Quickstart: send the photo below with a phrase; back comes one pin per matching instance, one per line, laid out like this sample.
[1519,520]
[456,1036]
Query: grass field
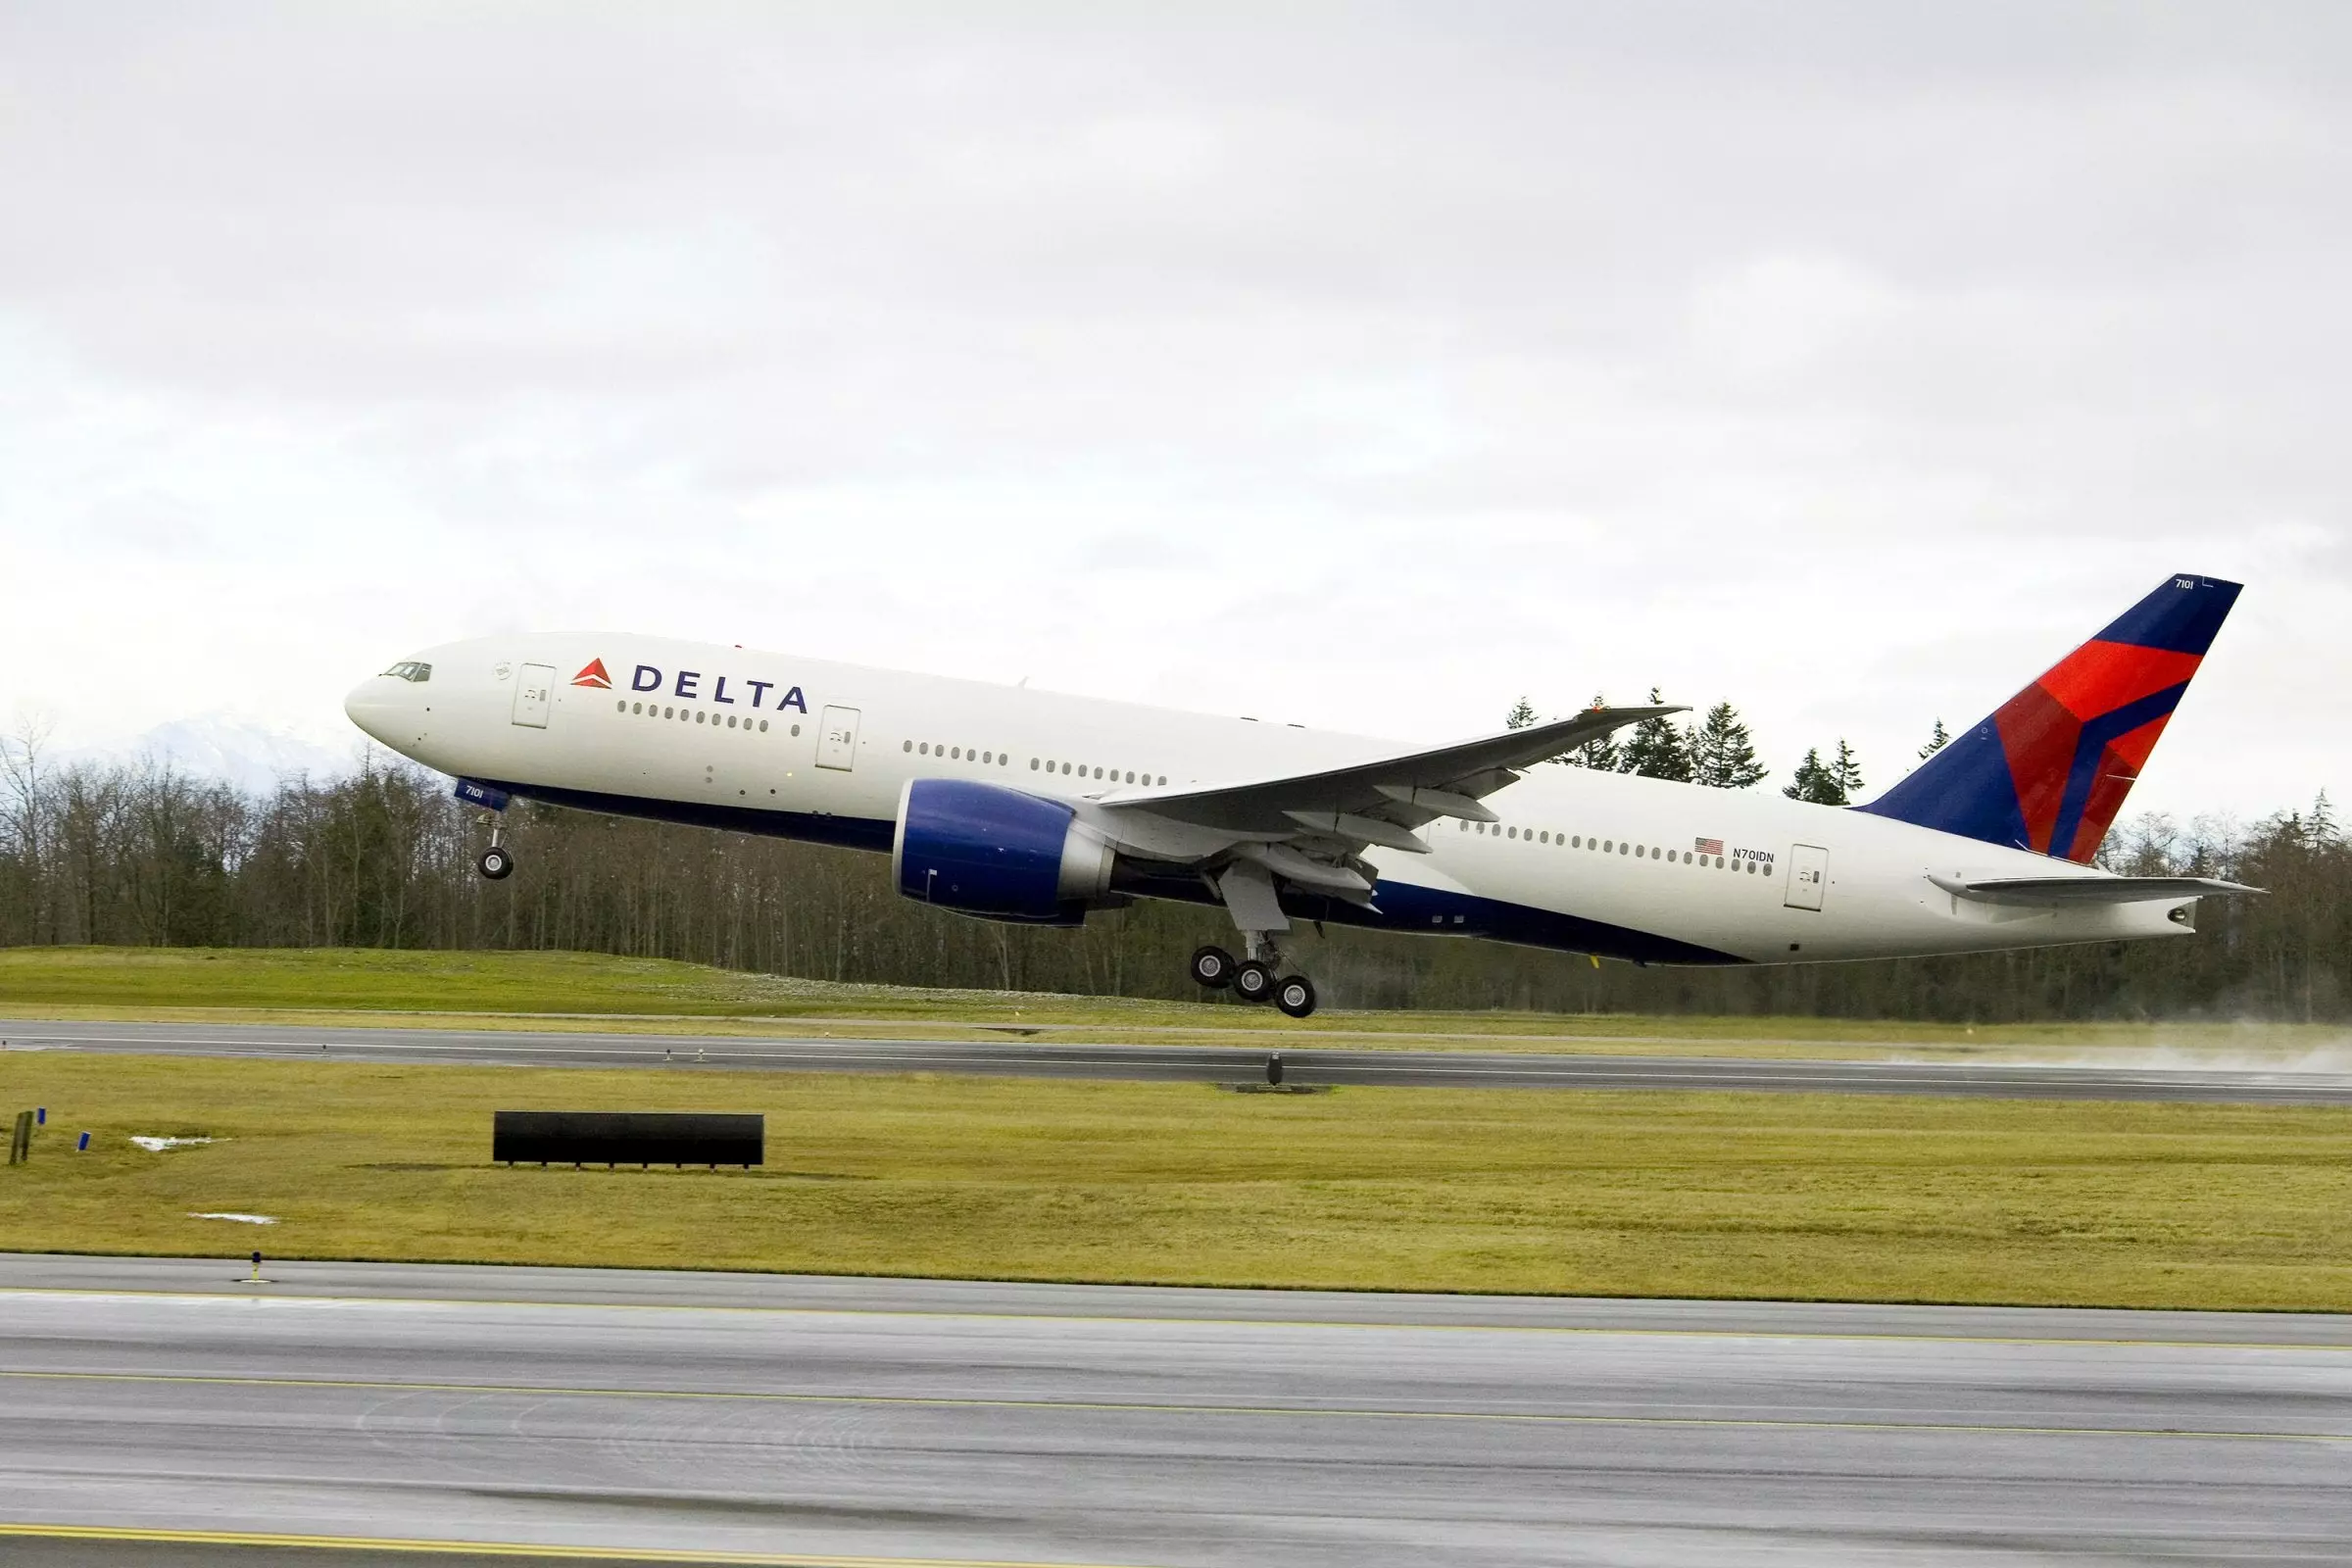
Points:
[1704,1194]
[587,991]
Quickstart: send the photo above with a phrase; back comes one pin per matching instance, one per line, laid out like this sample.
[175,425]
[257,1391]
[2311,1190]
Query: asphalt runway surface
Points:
[1301,1066]
[152,1410]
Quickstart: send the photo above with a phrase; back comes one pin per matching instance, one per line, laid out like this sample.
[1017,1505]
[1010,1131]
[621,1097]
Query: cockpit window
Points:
[410,669]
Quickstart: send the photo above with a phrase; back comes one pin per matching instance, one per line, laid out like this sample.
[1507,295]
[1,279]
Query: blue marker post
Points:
[84,1147]
[40,1116]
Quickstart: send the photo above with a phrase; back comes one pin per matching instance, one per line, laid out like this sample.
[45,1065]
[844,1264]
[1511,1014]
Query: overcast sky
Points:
[1363,368]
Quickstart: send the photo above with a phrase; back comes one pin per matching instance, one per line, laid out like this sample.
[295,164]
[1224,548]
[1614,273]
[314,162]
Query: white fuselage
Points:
[1579,859]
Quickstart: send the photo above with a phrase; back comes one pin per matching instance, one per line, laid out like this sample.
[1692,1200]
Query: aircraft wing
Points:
[1381,801]
[2053,892]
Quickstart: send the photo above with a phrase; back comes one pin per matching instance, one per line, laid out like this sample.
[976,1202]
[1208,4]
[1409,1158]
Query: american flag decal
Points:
[1710,845]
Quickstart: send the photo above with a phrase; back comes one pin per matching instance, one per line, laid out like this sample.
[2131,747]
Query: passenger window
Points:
[1033,764]
[1577,843]
[668,713]
[796,729]
[763,727]
[909,747]
[1607,845]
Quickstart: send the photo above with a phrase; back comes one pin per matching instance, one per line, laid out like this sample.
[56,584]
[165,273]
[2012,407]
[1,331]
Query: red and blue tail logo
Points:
[2049,769]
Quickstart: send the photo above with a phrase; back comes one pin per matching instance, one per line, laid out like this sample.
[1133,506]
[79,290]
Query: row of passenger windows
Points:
[1577,840]
[693,715]
[965,754]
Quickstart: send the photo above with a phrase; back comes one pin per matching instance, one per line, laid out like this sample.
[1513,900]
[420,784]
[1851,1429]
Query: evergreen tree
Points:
[1806,783]
[1658,747]
[1845,775]
[1521,715]
[1832,783]
[1722,755]
[1601,752]
[1936,741]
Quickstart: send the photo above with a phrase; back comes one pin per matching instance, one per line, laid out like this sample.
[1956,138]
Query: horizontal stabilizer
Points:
[2053,892]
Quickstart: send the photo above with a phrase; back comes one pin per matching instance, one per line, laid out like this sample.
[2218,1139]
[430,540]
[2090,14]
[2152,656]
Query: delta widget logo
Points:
[594,677]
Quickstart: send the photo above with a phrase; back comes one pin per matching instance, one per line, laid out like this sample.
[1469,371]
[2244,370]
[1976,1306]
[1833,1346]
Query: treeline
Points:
[142,855]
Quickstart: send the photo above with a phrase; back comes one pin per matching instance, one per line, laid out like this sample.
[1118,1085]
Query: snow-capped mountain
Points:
[251,755]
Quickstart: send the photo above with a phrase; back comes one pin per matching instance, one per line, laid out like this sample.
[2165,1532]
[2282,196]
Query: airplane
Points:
[1034,807]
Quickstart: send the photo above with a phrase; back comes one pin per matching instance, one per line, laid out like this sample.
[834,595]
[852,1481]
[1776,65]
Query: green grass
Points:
[362,987]
[1523,1191]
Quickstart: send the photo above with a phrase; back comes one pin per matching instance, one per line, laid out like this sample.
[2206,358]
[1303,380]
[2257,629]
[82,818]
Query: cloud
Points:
[1848,360]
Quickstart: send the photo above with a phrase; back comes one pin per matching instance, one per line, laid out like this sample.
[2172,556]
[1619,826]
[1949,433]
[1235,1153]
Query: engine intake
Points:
[1002,854]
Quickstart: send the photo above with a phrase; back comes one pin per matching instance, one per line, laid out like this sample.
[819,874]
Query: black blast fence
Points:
[628,1138]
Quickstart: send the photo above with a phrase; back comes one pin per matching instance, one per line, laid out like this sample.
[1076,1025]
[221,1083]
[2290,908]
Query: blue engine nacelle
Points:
[985,850]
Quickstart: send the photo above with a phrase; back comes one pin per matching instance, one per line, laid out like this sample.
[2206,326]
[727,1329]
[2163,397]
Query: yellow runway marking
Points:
[503,1549]
[1139,1407]
[982,1315]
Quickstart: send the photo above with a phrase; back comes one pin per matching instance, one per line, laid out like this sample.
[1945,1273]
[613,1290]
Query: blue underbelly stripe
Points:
[1403,906]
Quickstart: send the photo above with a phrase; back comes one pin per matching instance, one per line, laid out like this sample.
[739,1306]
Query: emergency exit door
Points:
[837,739]
[532,694]
[1808,875]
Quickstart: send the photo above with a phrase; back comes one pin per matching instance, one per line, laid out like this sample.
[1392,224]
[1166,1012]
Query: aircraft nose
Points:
[372,704]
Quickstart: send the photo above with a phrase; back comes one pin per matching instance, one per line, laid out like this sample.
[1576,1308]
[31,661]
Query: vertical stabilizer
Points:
[2048,770]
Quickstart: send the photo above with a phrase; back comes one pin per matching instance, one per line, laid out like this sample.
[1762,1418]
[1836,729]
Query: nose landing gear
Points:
[496,862]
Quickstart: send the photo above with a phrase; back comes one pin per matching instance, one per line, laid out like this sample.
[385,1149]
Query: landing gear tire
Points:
[1253,981]
[496,863]
[1295,995]
[1212,967]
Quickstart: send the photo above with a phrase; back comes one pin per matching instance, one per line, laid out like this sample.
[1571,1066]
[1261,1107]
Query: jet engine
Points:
[997,853]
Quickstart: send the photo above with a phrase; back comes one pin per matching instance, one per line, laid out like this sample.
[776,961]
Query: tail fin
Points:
[2049,769]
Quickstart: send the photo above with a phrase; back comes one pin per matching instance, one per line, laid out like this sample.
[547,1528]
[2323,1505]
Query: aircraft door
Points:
[532,694]
[837,739]
[1808,875]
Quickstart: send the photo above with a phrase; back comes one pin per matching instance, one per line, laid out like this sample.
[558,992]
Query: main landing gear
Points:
[1254,979]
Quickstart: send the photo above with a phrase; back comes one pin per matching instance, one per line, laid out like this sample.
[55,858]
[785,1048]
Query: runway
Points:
[1303,1065]
[927,1423]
